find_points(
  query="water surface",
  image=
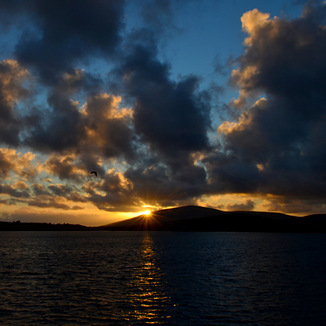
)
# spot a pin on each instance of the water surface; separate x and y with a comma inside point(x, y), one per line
point(168, 278)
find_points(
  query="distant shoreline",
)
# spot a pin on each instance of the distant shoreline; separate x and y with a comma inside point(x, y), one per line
point(35, 226)
point(192, 219)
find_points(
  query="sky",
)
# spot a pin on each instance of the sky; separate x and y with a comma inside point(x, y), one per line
point(214, 103)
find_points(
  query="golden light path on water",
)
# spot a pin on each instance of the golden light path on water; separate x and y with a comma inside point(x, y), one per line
point(149, 300)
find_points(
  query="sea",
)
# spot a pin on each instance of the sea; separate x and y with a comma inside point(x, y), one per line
point(162, 278)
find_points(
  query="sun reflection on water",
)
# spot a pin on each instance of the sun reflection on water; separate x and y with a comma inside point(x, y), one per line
point(148, 298)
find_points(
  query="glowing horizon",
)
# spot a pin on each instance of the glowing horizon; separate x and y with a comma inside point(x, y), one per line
point(193, 107)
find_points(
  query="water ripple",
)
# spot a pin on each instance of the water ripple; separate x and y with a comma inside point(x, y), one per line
point(139, 278)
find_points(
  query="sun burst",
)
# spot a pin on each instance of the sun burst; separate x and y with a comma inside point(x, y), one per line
point(147, 212)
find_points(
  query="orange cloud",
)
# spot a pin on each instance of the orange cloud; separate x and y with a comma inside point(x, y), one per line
point(251, 21)
point(24, 165)
point(12, 75)
point(65, 167)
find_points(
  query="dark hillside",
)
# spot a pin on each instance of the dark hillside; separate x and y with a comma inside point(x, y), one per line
point(194, 218)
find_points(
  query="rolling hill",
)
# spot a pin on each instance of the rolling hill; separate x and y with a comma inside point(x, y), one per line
point(195, 218)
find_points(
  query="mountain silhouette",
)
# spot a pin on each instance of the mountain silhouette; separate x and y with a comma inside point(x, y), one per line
point(193, 218)
point(196, 218)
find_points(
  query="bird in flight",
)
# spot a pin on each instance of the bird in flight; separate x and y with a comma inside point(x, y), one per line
point(93, 172)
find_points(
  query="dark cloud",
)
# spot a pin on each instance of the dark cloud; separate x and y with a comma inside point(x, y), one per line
point(113, 193)
point(6, 165)
point(109, 129)
point(155, 130)
point(48, 202)
point(56, 196)
point(14, 190)
point(75, 196)
point(154, 185)
point(228, 173)
point(248, 205)
point(57, 37)
point(279, 141)
point(12, 77)
point(60, 189)
point(296, 205)
point(78, 81)
point(130, 190)
point(56, 128)
point(172, 117)
point(64, 32)
point(158, 14)
point(100, 129)
point(39, 190)
point(64, 167)
point(172, 120)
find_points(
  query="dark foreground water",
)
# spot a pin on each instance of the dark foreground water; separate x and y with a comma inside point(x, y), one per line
point(139, 278)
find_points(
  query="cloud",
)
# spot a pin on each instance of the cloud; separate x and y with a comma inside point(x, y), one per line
point(6, 165)
point(39, 189)
point(56, 196)
point(171, 117)
point(100, 128)
point(65, 167)
point(158, 14)
point(58, 127)
point(14, 190)
point(12, 77)
point(252, 21)
point(48, 202)
point(108, 128)
point(69, 30)
point(149, 135)
point(76, 124)
point(113, 193)
point(248, 205)
point(296, 206)
point(60, 189)
point(24, 165)
point(278, 141)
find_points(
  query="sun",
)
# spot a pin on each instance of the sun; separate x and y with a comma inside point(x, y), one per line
point(147, 212)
